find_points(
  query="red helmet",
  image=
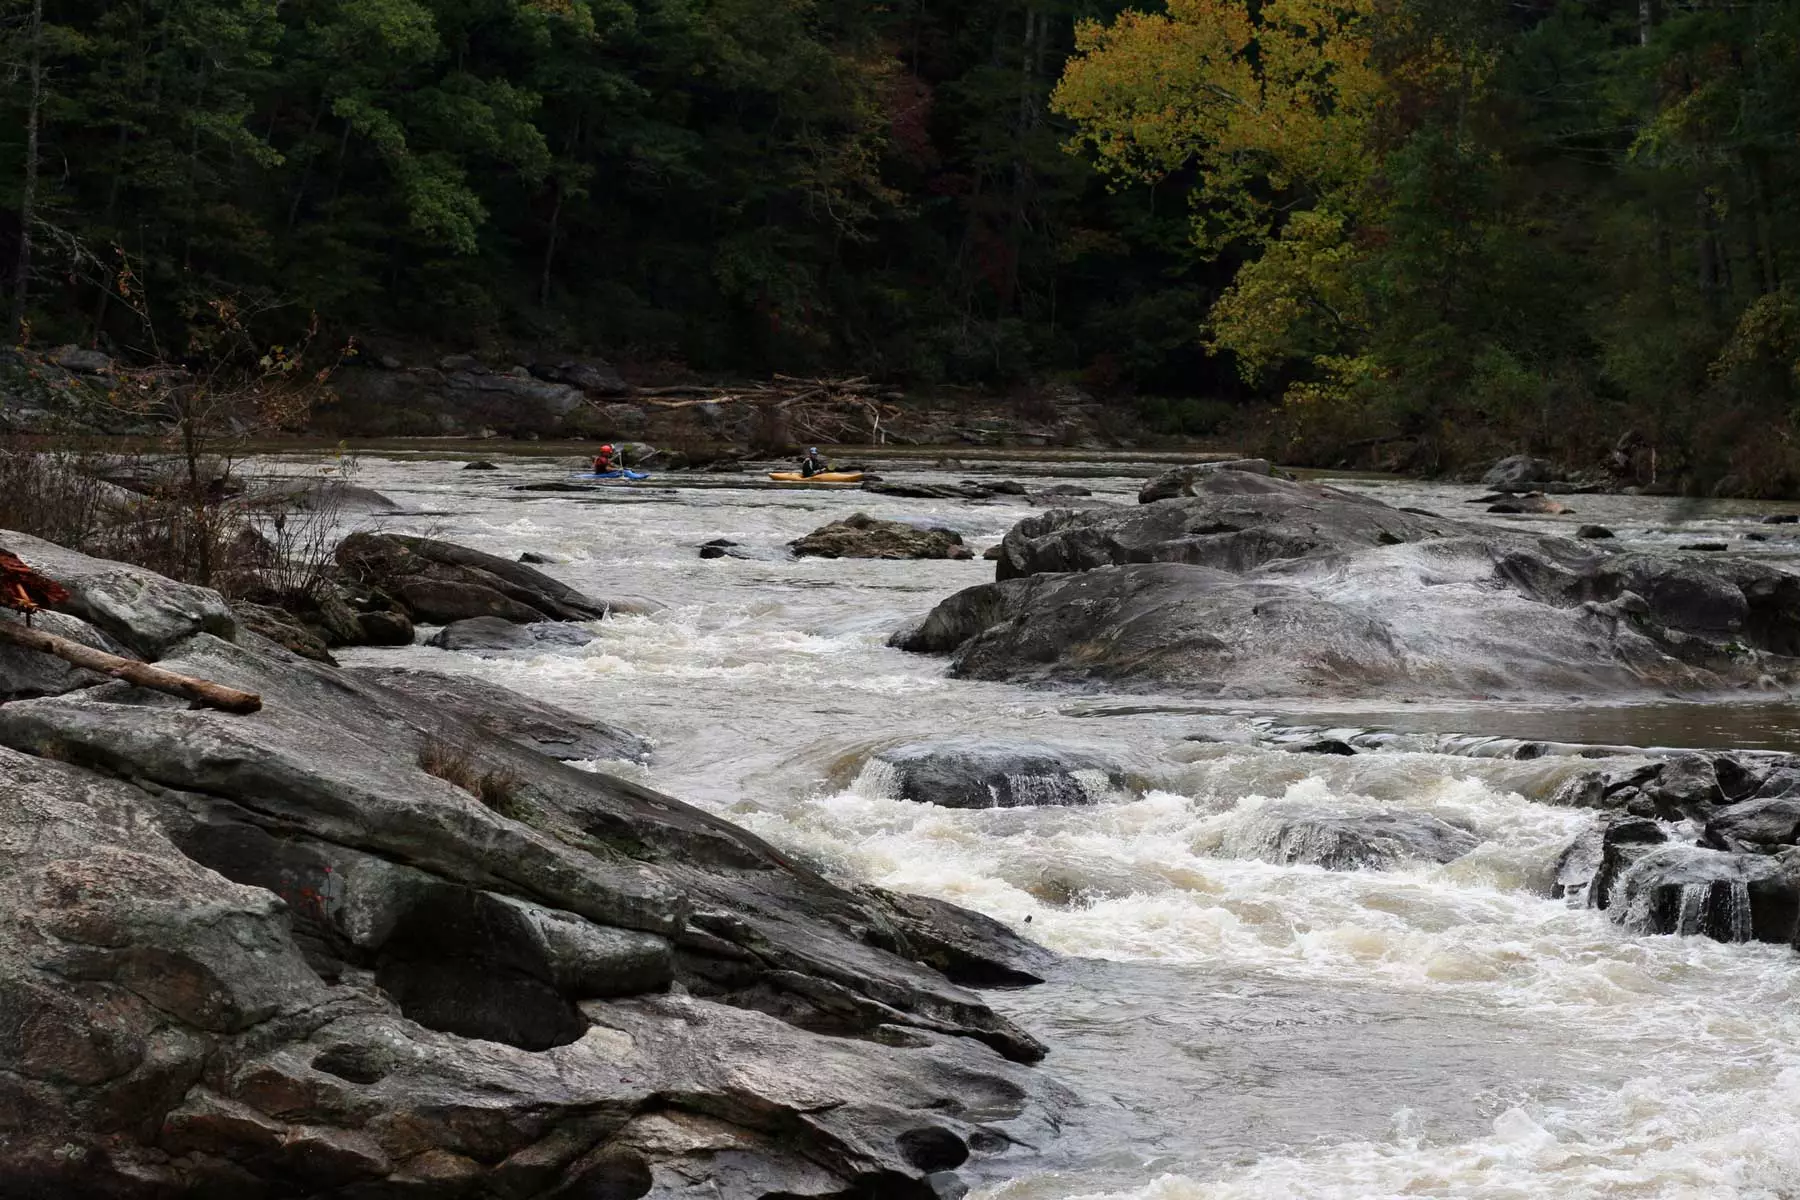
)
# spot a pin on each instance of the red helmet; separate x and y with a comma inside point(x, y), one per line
point(606, 449)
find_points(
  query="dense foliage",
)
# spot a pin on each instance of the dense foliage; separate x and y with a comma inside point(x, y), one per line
point(1448, 226)
point(1468, 223)
point(737, 184)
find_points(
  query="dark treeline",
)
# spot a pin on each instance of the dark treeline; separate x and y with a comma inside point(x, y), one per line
point(1434, 227)
point(738, 185)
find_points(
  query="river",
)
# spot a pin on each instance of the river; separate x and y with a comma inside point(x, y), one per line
point(1231, 1028)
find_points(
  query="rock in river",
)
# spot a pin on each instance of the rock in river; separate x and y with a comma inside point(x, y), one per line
point(1258, 586)
point(1285, 833)
point(982, 773)
point(275, 956)
point(863, 536)
point(438, 582)
point(479, 635)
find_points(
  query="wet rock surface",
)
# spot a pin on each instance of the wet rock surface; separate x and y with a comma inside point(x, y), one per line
point(1179, 481)
point(496, 635)
point(1233, 520)
point(1520, 473)
point(552, 731)
point(1703, 844)
point(1286, 834)
point(1260, 586)
point(863, 536)
point(437, 582)
point(981, 773)
point(273, 956)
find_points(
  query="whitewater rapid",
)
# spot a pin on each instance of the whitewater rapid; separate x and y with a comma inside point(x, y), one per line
point(1233, 1027)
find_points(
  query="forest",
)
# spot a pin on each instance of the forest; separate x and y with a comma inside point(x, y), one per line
point(1417, 231)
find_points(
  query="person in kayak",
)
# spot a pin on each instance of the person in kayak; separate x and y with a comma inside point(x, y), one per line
point(607, 460)
point(812, 464)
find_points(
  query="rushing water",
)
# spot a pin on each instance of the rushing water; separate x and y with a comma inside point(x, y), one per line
point(1233, 1028)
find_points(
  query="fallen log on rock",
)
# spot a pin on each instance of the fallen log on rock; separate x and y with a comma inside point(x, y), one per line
point(144, 675)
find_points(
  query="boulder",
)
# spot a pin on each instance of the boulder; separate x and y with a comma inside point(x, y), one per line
point(546, 402)
point(1179, 481)
point(549, 730)
point(1293, 834)
point(478, 635)
point(1689, 786)
point(1587, 869)
point(480, 465)
point(1696, 891)
point(1594, 532)
point(439, 582)
point(595, 376)
point(1534, 503)
point(82, 361)
point(1259, 586)
point(26, 673)
point(384, 627)
point(1766, 824)
point(273, 956)
point(137, 608)
point(282, 628)
point(979, 772)
point(1520, 473)
point(1234, 520)
point(863, 536)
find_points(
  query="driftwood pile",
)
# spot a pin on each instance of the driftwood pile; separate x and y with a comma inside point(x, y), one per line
point(822, 410)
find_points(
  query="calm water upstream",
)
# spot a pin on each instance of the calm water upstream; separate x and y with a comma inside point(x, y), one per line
point(1233, 1028)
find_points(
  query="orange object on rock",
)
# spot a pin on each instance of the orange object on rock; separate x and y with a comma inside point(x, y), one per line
point(25, 590)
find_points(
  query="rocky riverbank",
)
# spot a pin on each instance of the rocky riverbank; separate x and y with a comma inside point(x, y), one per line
point(378, 940)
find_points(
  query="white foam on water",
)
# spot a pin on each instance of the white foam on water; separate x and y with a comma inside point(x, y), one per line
point(761, 663)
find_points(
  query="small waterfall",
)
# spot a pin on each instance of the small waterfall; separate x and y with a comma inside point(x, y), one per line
point(1692, 892)
point(1046, 790)
point(879, 779)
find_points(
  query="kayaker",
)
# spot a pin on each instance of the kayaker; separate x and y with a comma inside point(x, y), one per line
point(812, 464)
point(607, 460)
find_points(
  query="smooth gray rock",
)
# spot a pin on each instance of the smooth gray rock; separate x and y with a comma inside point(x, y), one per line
point(1284, 833)
point(28, 673)
point(166, 1032)
point(440, 582)
point(139, 609)
point(1179, 481)
point(1520, 473)
point(1766, 825)
point(1233, 520)
point(1259, 586)
point(270, 955)
point(978, 772)
point(595, 376)
point(555, 399)
point(549, 730)
point(476, 635)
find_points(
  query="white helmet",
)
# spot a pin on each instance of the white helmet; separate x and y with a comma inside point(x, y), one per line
point(814, 450)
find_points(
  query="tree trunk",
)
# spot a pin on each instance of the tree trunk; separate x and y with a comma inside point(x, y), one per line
point(550, 250)
point(144, 675)
point(28, 196)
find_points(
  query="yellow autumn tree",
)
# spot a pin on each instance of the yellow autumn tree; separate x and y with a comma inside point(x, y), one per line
point(1275, 105)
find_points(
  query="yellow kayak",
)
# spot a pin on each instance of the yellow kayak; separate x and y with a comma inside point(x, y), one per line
point(821, 477)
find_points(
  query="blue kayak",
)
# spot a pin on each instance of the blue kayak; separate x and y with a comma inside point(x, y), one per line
point(620, 474)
